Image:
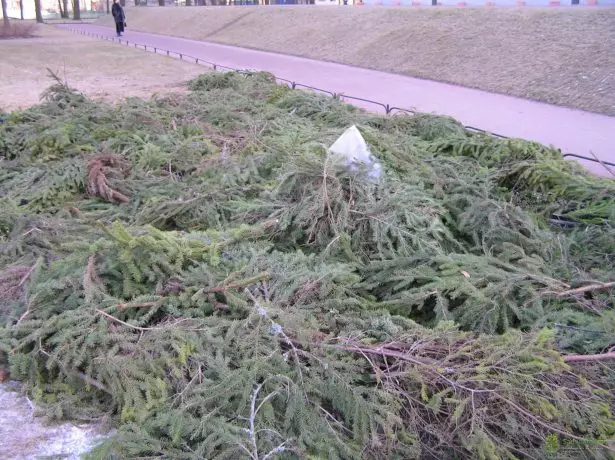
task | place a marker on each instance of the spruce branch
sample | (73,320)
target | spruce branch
(123,323)
(75,373)
(252,448)
(228,289)
(277,329)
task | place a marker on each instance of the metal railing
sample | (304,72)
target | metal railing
(388,109)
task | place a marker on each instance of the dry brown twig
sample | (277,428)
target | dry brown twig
(13,279)
(124,306)
(588,288)
(437,369)
(11,283)
(158,328)
(91,281)
(97,181)
(238,284)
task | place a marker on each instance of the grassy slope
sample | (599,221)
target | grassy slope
(98,69)
(558,56)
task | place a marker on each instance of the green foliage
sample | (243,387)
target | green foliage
(214,81)
(248,297)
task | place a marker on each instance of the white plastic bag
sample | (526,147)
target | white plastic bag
(353,149)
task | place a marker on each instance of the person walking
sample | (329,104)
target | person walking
(120,18)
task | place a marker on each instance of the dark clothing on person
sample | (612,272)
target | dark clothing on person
(119,28)
(120,18)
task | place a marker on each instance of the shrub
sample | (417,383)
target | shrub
(14,29)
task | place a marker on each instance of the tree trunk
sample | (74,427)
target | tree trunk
(21,9)
(160,2)
(37,9)
(65,2)
(108,7)
(5,13)
(76,10)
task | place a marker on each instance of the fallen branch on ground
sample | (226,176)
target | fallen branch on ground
(588,288)
(589,358)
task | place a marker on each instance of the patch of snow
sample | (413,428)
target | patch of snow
(23,436)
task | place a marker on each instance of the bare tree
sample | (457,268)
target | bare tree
(76,10)
(63,6)
(37,9)
(5,13)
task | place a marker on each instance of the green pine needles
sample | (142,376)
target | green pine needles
(197,272)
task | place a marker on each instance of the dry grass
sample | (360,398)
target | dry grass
(98,69)
(16,29)
(560,56)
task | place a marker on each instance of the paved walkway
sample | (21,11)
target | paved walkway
(570,130)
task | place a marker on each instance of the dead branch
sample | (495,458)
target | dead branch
(239,284)
(13,279)
(97,182)
(588,288)
(388,353)
(123,306)
(91,381)
(589,358)
(142,329)
(117,320)
(544,424)
(26,276)
(377,351)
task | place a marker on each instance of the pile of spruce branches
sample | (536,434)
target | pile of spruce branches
(196,271)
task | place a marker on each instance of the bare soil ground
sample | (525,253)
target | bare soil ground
(98,69)
(559,56)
